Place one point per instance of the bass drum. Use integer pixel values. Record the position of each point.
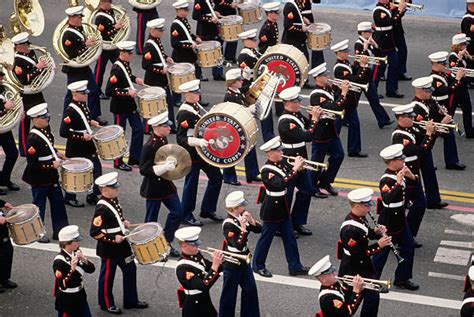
(231, 131)
(286, 61)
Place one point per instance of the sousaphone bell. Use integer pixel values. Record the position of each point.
(177, 154)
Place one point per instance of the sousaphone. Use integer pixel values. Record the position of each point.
(27, 17)
(7, 50)
(176, 154)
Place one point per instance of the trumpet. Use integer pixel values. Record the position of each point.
(326, 111)
(230, 257)
(371, 59)
(411, 6)
(375, 285)
(468, 72)
(439, 127)
(352, 86)
(310, 165)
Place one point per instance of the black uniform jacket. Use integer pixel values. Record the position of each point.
(295, 130)
(268, 36)
(385, 17)
(445, 85)
(293, 33)
(25, 71)
(105, 22)
(118, 88)
(153, 64)
(74, 43)
(182, 45)
(205, 29)
(187, 117)
(153, 187)
(338, 301)
(393, 205)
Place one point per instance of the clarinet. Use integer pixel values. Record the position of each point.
(392, 246)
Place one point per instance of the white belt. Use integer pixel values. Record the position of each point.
(112, 230)
(411, 158)
(45, 158)
(438, 98)
(346, 252)
(275, 194)
(383, 28)
(192, 291)
(293, 145)
(306, 12)
(190, 132)
(393, 205)
(72, 290)
(79, 131)
(232, 249)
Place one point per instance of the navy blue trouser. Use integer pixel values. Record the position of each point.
(416, 197)
(299, 212)
(173, 219)
(450, 148)
(462, 99)
(393, 71)
(101, 64)
(93, 99)
(372, 96)
(108, 267)
(230, 50)
(84, 312)
(370, 306)
(354, 143)
(249, 298)
(6, 260)
(137, 134)
(251, 168)
(336, 155)
(317, 58)
(289, 242)
(211, 195)
(402, 52)
(96, 172)
(56, 200)
(266, 126)
(404, 240)
(7, 142)
(170, 106)
(430, 181)
(142, 19)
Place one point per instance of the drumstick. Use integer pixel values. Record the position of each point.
(12, 217)
(132, 234)
(136, 224)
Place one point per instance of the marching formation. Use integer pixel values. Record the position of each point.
(267, 71)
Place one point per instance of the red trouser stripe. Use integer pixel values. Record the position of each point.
(23, 138)
(106, 284)
(97, 70)
(140, 16)
(117, 121)
(374, 77)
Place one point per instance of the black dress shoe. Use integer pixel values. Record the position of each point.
(192, 222)
(178, 104)
(295, 234)
(303, 271)
(138, 305)
(219, 78)
(409, 285)
(43, 239)
(264, 273)
(133, 163)
(360, 154)
(381, 96)
(212, 216)
(320, 195)
(101, 121)
(383, 78)
(114, 310)
(174, 253)
(123, 167)
(417, 244)
(3, 192)
(103, 96)
(440, 205)
(13, 187)
(74, 203)
(309, 85)
(457, 166)
(390, 122)
(204, 104)
(302, 230)
(394, 95)
(92, 199)
(384, 290)
(234, 183)
(331, 190)
(256, 179)
(9, 284)
(2, 290)
(404, 77)
(204, 78)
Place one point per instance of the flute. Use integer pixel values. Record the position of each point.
(392, 246)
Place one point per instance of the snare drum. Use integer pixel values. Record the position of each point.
(250, 13)
(148, 243)
(209, 54)
(319, 36)
(231, 131)
(110, 142)
(230, 27)
(152, 102)
(76, 175)
(25, 224)
(180, 73)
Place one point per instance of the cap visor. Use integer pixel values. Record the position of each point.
(116, 185)
(195, 243)
(78, 238)
(331, 270)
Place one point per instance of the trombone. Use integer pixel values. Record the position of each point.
(439, 127)
(352, 86)
(230, 257)
(373, 60)
(326, 111)
(310, 165)
(411, 6)
(375, 285)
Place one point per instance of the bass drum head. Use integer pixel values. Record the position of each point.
(145, 232)
(286, 61)
(77, 164)
(22, 213)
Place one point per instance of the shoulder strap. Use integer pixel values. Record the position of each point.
(83, 117)
(26, 58)
(157, 48)
(273, 168)
(389, 13)
(330, 291)
(105, 15)
(355, 224)
(291, 117)
(45, 139)
(228, 220)
(124, 70)
(116, 214)
(410, 136)
(322, 92)
(75, 32)
(186, 107)
(297, 10)
(343, 66)
(191, 263)
(185, 29)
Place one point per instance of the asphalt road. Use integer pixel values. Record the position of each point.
(439, 266)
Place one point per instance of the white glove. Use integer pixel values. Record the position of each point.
(252, 109)
(192, 141)
(160, 169)
(247, 73)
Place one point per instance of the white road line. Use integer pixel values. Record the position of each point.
(457, 244)
(290, 281)
(467, 220)
(447, 276)
(452, 256)
(460, 232)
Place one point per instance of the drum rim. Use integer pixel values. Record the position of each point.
(247, 4)
(35, 214)
(231, 18)
(90, 165)
(192, 69)
(114, 126)
(147, 224)
(208, 43)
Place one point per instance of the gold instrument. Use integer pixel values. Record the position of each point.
(310, 165)
(45, 78)
(468, 72)
(28, 16)
(144, 4)
(89, 56)
(439, 127)
(371, 59)
(121, 16)
(12, 117)
(355, 87)
(333, 113)
(375, 285)
(176, 154)
(410, 6)
(230, 257)
(92, 4)
(7, 49)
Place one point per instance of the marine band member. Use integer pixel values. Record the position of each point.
(6, 249)
(195, 274)
(143, 17)
(467, 308)
(69, 267)
(335, 297)
(269, 34)
(226, 8)
(109, 227)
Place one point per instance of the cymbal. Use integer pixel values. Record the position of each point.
(179, 155)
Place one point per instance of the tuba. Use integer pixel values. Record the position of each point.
(12, 117)
(7, 50)
(28, 16)
(91, 54)
(144, 4)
